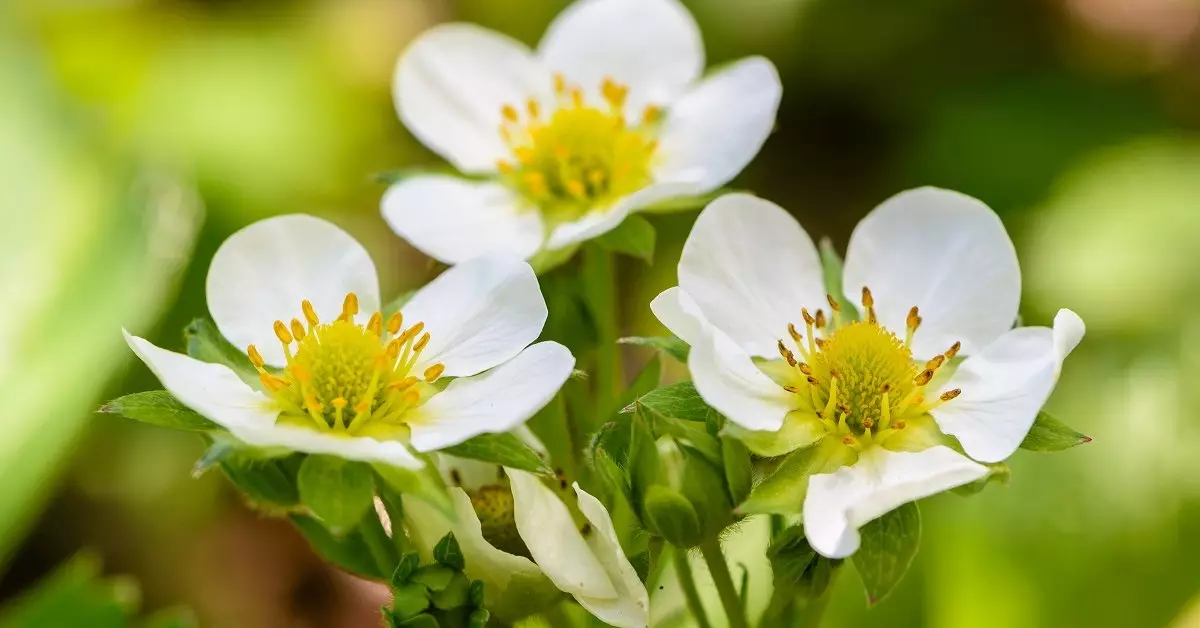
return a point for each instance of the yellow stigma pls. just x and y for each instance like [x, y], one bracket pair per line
[583, 154]
[861, 378]
[343, 375]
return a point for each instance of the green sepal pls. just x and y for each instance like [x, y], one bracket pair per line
[739, 474]
[409, 601]
[434, 577]
[269, 484]
[407, 566]
[888, 547]
[206, 344]
[425, 484]
[455, 594]
[635, 237]
[783, 491]
[479, 618]
[503, 449]
[801, 577]
[643, 461]
[339, 492]
[670, 345]
[158, 407]
[1050, 434]
[677, 401]
[348, 551]
[448, 553]
[670, 515]
[423, 620]
[702, 482]
[831, 266]
[997, 472]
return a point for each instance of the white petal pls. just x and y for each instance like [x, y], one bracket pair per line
[478, 314]
[451, 83]
[730, 382]
[944, 252]
[213, 390]
[1005, 385]
[454, 220]
[800, 429]
[750, 268]
[602, 220]
[631, 609]
[676, 310]
[715, 129]
[651, 46]
[838, 503]
[263, 272]
[496, 401]
[555, 543]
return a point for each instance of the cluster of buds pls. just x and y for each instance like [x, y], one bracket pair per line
[438, 595]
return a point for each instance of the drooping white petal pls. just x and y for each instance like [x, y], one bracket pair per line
[675, 309]
[944, 252]
[728, 380]
[505, 576]
[651, 46]
[454, 220]
[496, 401]
[451, 83]
[556, 545]
[718, 126]
[631, 608]
[750, 268]
[478, 314]
[263, 272]
[214, 391]
[602, 220]
[1005, 385]
[839, 503]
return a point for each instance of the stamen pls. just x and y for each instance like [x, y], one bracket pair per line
[395, 321]
[794, 333]
[350, 306]
[339, 404]
[836, 308]
[820, 318]
[310, 314]
[532, 107]
[282, 333]
[787, 354]
[510, 113]
[912, 322]
[560, 84]
[950, 394]
[868, 302]
[255, 357]
[651, 114]
[298, 329]
[422, 342]
[923, 378]
[375, 324]
[953, 350]
[806, 369]
[935, 362]
[434, 372]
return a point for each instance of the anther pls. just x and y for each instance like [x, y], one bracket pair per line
[820, 319]
[808, 319]
[375, 324]
[510, 113]
[935, 362]
[282, 333]
[791, 389]
[805, 368]
[868, 302]
[434, 372]
[953, 350]
[298, 329]
[395, 321]
[532, 107]
[951, 394]
[833, 303]
[255, 357]
[576, 188]
[651, 114]
[560, 83]
[350, 306]
[868, 423]
[923, 378]
[422, 342]
[787, 354]
[812, 380]
[310, 314]
[402, 384]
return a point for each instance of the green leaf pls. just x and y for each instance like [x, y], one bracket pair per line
[802, 577]
[677, 401]
[348, 551]
[1050, 434]
[407, 566]
[338, 491]
[448, 553]
[158, 407]
[687, 203]
[889, 545]
[642, 465]
[671, 516]
[425, 484]
[503, 449]
[647, 379]
[997, 472]
[270, 485]
[831, 263]
[207, 344]
[634, 237]
[670, 345]
[783, 491]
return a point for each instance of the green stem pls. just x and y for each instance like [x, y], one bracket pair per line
[379, 544]
[684, 569]
[810, 615]
[711, 550]
[599, 275]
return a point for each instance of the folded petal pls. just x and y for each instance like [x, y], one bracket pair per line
[602, 220]
[478, 314]
[631, 608]
[212, 390]
[728, 380]
[451, 83]
[263, 272]
[496, 401]
[651, 46]
[453, 220]
[719, 125]
[1005, 386]
[555, 543]
[676, 310]
[750, 268]
[838, 504]
[944, 252]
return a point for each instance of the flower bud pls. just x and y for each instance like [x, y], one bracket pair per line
[670, 515]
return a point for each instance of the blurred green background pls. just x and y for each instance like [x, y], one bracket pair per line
[136, 134]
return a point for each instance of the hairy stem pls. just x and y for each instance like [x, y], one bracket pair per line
[711, 550]
[684, 569]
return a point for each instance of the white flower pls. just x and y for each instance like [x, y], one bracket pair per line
[359, 386]
[520, 537]
[937, 277]
[608, 116]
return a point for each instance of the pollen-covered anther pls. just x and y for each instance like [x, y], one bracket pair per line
[310, 315]
[787, 354]
[950, 394]
[868, 302]
[924, 377]
[953, 350]
[434, 372]
[350, 306]
[820, 319]
[395, 321]
[833, 303]
[375, 324]
[282, 333]
[256, 358]
[298, 329]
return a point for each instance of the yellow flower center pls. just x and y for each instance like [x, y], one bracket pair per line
[862, 380]
[341, 376]
[581, 155]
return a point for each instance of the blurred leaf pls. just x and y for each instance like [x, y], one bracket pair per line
[207, 344]
[338, 491]
[158, 407]
[671, 345]
[269, 485]
[671, 516]
[997, 472]
[634, 237]
[348, 551]
[647, 379]
[802, 578]
[503, 449]
[1050, 434]
[677, 401]
[889, 545]
[831, 264]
